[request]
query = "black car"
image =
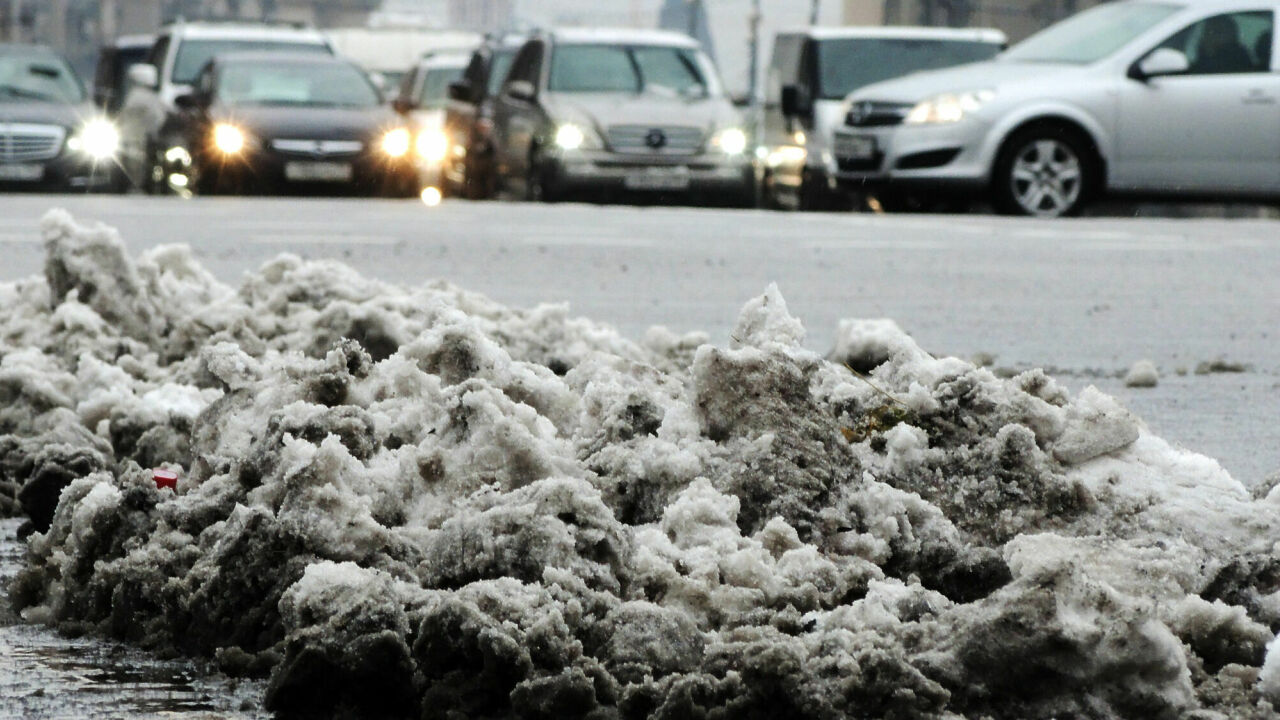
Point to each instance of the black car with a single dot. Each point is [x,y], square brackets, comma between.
[469,118]
[51,137]
[264,122]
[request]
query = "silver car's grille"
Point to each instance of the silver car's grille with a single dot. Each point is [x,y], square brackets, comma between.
[30,143]
[317,148]
[655,140]
[876,114]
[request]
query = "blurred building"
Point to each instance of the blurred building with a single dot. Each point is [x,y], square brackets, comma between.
[482,15]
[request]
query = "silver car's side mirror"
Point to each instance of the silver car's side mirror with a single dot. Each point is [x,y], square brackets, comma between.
[1164,61]
[144,75]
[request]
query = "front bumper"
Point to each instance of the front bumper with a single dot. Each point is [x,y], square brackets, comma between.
[952,154]
[266,170]
[702,173]
[68,171]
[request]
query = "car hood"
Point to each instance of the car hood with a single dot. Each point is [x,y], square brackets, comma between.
[976,76]
[601,110]
[43,113]
[310,123]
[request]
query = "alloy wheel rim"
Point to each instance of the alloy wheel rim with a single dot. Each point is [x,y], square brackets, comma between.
[1046,178]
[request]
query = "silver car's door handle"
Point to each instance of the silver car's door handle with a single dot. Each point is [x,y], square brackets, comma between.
[1258,96]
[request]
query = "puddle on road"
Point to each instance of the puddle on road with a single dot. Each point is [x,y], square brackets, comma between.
[44,676]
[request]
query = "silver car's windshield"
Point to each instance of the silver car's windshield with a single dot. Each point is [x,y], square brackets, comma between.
[433,88]
[671,71]
[193,54]
[295,83]
[38,78]
[846,64]
[1092,35]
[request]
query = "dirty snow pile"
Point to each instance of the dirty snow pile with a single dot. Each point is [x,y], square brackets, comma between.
[414,502]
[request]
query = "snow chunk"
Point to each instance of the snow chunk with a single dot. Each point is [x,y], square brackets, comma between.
[1143,374]
[765,320]
[1096,425]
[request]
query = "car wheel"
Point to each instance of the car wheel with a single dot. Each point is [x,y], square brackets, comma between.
[1048,171]
[540,184]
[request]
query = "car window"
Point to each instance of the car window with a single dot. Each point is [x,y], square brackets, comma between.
[193,54]
[38,78]
[1092,35]
[433,86]
[295,83]
[617,68]
[846,64]
[1228,43]
[498,71]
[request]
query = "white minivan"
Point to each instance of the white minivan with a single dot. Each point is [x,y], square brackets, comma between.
[811,72]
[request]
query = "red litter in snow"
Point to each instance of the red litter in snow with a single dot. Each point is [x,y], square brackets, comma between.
[165,479]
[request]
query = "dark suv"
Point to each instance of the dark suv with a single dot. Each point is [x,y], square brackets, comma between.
[469,118]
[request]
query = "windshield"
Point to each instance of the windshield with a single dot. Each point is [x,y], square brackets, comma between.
[433,88]
[1092,35]
[847,64]
[194,54]
[613,68]
[38,78]
[318,84]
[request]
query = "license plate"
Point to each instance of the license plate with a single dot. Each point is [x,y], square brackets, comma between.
[22,173]
[855,147]
[318,171]
[658,179]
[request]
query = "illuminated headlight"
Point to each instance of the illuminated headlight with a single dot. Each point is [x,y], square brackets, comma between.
[433,145]
[99,139]
[396,143]
[229,139]
[731,141]
[948,107]
[570,137]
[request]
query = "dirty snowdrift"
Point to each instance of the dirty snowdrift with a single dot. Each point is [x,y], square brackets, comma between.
[418,503]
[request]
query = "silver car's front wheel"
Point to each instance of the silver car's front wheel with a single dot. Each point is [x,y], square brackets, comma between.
[1044,173]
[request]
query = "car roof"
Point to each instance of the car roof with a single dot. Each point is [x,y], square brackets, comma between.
[133,41]
[445,60]
[621,36]
[893,32]
[246,31]
[270,56]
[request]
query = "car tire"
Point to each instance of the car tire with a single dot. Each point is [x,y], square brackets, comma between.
[541,184]
[1045,171]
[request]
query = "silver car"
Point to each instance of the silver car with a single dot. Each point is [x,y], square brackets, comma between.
[1168,97]
[601,111]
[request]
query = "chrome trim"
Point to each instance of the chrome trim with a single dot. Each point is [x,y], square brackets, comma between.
[27,142]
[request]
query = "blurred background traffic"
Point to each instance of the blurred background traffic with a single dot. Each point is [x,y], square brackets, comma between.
[775,103]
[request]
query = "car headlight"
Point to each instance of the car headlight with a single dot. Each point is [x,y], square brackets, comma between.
[229,139]
[433,145]
[396,143]
[97,138]
[570,137]
[948,107]
[731,141]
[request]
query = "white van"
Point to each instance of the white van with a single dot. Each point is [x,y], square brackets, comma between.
[811,73]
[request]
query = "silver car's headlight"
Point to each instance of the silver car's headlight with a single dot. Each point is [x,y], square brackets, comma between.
[948,107]
[730,140]
[97,138]
[571,136]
